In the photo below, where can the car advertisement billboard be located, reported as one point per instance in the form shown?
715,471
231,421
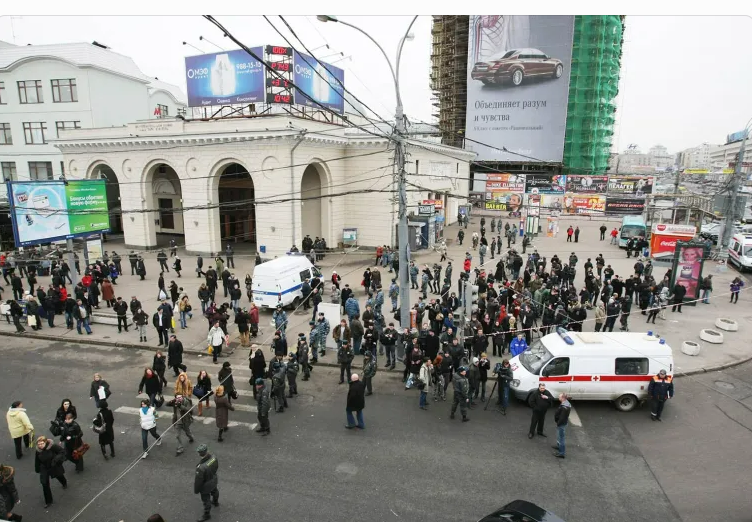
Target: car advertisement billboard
518,86
505,182
579,184
635,185
584,204
45,211
624,205
545,183
225,78
319,81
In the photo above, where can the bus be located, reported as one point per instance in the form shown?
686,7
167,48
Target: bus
631,226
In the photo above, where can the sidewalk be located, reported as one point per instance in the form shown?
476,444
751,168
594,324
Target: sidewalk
677,328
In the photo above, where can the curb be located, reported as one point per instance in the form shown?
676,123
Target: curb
325,364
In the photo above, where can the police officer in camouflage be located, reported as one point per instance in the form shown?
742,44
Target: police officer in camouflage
205,483
461,393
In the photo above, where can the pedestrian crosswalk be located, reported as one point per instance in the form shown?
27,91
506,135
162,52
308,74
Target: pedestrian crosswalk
196,419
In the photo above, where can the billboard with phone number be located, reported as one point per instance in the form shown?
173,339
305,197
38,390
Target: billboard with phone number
45,211
228,77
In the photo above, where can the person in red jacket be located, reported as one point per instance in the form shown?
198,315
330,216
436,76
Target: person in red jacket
379,253
614,233
570,231
466,266
253,320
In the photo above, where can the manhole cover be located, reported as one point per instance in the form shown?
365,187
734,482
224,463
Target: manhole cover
724,385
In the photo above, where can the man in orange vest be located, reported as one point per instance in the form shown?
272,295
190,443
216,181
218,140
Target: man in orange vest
661,389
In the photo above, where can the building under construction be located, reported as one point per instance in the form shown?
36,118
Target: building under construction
593,86
449,76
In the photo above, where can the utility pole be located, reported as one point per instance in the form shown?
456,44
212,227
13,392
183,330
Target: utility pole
398,136
734,190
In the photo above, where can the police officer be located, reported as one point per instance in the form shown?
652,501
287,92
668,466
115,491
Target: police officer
264,404
206,481
278,375
461,393
369,371
660,389
292,373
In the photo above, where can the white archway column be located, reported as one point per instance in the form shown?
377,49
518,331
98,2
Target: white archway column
200,224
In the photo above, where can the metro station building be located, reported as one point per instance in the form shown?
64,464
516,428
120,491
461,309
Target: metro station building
267,180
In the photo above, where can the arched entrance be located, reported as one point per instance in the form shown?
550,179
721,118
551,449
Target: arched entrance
314,209
103,171
162,185
237,212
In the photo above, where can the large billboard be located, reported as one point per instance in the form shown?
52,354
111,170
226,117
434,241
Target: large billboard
545,183
319,81
228,77
584,204
505,182
45,211
635,185
518,86
625,205
587,184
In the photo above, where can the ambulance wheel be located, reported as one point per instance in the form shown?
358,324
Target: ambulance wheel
626,402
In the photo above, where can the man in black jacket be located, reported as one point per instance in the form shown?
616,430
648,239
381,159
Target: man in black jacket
161,322
205,483
660,389
356,401
121,309
133,259
540,400
679,292
562,419
388,340
345,357
175,355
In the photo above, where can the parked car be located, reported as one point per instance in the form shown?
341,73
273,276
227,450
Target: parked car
516,65
521,511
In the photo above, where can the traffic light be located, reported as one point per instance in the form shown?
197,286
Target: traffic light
471,300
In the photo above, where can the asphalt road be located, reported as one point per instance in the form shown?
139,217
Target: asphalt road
407,464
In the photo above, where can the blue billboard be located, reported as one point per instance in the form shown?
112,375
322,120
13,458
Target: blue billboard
322,87
228,77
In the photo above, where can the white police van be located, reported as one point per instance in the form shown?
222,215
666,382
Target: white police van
280,281
592,366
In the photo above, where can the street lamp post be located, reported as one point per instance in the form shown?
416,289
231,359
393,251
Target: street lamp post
398,135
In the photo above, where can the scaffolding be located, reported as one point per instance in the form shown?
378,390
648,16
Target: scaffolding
449,76
593,86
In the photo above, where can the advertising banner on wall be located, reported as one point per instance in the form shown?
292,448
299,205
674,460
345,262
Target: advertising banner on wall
505,182
45,211
579,184
518,86
545,183
687,268
319,81
228,77
584,204
635,185
505,201
624,205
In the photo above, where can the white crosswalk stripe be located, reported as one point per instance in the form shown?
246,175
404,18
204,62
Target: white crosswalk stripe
205,420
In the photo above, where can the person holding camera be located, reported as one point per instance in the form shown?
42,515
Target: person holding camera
504,376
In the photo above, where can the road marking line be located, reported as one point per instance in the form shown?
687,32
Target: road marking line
205,420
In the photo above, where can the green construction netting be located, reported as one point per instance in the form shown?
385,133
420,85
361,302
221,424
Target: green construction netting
593,85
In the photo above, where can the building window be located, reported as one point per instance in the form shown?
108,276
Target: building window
34,132
30,91
166,217
64,91
162,111
40,170
62,125
631,366
5,136
9,170
3,100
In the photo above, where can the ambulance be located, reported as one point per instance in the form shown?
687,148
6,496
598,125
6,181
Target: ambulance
604,366
740,251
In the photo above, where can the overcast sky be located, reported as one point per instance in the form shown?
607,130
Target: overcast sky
685,80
